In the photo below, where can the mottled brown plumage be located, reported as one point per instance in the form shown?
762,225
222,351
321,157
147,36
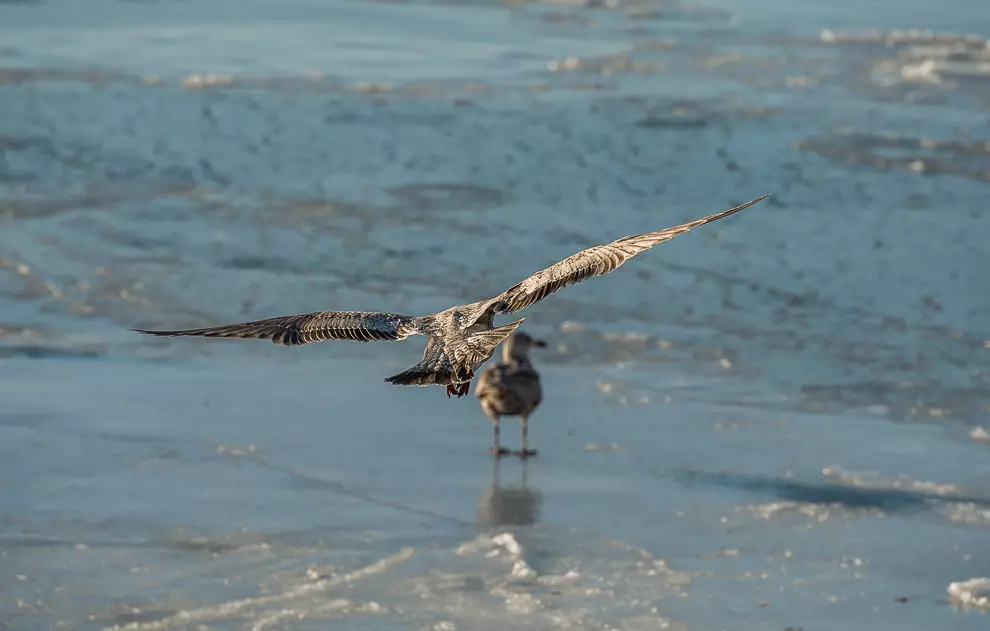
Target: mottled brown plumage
595,261
462,337
358,326
511,388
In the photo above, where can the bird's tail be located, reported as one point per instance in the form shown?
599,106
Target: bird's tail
434,370
422,374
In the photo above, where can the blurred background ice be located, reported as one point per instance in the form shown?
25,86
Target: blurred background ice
780,421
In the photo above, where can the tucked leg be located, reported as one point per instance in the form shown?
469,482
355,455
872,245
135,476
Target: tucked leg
525,452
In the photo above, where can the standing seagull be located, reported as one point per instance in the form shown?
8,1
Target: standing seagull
463,337
511,388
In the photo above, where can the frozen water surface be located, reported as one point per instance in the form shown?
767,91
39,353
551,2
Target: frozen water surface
775,422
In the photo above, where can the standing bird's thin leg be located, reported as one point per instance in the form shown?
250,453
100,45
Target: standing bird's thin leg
497,449
525,452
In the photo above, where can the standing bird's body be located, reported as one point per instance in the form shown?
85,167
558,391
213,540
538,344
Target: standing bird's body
511,388
463,337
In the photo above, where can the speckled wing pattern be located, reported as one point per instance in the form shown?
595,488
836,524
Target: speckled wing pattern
595,261
479,346
358,326
443,362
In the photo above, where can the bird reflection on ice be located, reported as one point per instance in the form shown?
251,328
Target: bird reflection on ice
513,505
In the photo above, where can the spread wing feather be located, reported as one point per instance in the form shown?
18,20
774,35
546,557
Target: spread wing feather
479,346
446,364
358,326
595,261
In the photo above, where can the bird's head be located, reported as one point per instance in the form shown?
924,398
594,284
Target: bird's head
517,345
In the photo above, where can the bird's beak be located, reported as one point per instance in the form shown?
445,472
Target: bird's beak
539,343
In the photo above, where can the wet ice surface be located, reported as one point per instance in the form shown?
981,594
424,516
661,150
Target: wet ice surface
272,508
778,421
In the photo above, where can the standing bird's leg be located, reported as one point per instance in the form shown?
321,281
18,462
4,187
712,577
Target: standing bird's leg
497,449
525,452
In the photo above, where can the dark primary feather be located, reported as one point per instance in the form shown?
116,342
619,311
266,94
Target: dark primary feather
358,326
595,261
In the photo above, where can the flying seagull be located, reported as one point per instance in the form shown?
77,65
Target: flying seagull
463,337
511,388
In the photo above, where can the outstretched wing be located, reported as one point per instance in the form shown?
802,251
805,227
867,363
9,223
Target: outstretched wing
359,326
595,261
